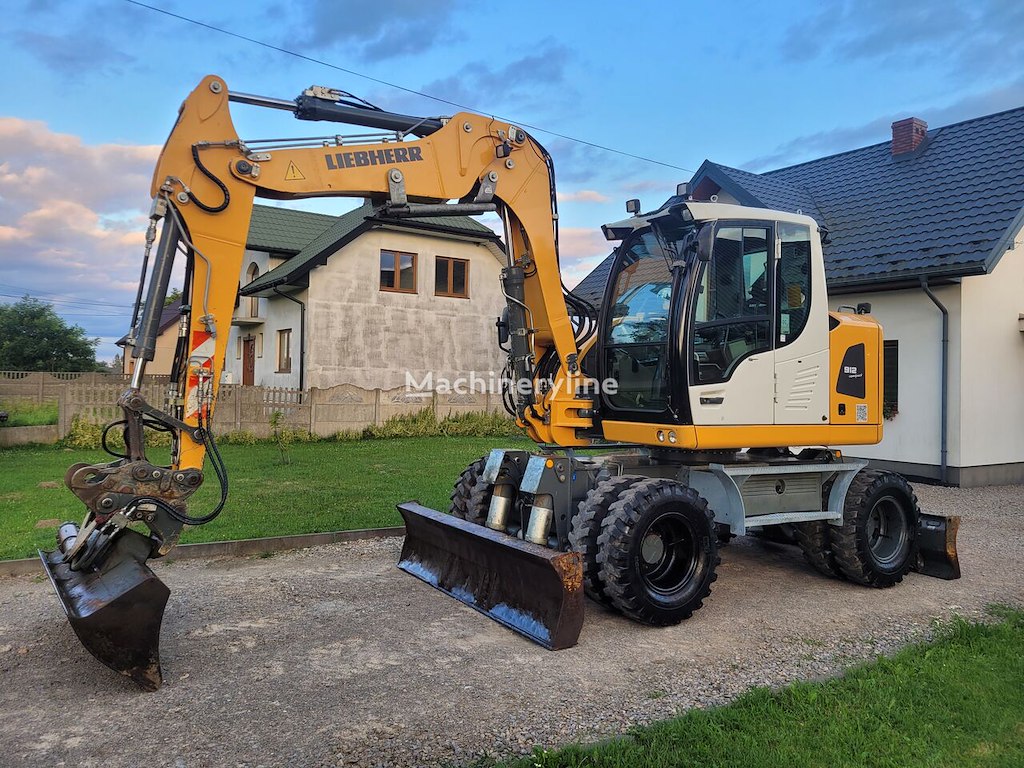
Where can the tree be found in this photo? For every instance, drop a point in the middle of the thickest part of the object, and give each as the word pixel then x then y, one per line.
pixel 172 296
pixel 35 338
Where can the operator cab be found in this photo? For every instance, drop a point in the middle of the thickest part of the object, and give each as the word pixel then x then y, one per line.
pixel 704 303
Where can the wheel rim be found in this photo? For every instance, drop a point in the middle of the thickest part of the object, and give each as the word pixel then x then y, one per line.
pixel 888 537
pixel 669 555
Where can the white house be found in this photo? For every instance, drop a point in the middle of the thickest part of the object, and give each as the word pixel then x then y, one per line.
pixel 927 229
pixel 364 300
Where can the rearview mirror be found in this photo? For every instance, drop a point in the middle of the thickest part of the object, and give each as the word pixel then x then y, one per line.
pixel 705 242
pixel 502 326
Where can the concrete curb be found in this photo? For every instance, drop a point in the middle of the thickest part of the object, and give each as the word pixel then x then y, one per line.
pixel 238 548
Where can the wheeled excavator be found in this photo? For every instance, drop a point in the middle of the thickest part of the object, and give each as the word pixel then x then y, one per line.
pixel 695 403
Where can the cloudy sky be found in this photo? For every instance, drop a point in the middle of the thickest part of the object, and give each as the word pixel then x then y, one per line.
pixel 89 91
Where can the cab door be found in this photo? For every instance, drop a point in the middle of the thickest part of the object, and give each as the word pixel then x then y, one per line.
pixel 732 375
pixel 801 328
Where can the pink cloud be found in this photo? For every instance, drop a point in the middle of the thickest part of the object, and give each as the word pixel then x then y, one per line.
pixel 72 223
pixel 10 234
pixel 582 196
pixel 580 249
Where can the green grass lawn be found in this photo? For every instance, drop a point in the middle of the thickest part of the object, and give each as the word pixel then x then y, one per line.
pixel 958 701
pixel 22 413
pixel 326 487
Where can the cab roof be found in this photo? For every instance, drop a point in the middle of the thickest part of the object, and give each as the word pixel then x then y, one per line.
pixel 701 211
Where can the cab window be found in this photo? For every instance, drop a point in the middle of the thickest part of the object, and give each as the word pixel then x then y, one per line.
pixel 636 346
pixel 794 281
pixel 731 315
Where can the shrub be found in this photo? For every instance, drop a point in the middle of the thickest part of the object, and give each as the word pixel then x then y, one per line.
pixel 85 434
pixel 420 423
pixel 480 424
pixel 424 423
pixel 238 437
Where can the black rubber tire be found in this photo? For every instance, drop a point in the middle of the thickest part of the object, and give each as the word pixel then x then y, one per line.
pixel 586 527
pixel 471 497
pixel 671 582
pixel 815 541
pixel 875 545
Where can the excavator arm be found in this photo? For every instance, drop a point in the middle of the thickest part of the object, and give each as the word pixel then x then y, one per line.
pixel 203 190
pixel 208 179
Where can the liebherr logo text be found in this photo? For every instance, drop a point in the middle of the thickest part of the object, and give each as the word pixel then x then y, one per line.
pixel 389 156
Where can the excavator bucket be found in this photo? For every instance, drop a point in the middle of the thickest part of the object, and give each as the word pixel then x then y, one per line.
pixel 115 609
pixel 532 590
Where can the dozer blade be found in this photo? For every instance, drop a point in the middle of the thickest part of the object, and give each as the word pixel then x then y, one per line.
pixel 532 590
pixel 936 546
pixel 116 609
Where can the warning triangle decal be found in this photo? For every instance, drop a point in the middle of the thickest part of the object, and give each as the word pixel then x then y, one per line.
pixel 293 173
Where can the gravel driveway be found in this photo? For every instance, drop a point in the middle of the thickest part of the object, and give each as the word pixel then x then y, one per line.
pixel 331 656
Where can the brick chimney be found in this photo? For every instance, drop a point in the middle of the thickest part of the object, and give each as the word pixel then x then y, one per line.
pixel 907 135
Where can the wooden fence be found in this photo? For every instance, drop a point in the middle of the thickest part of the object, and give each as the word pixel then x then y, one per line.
pixel 93 397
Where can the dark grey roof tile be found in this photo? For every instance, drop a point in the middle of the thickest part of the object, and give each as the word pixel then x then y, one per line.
pixel 592 286
pixel 946 206
pixel 284 230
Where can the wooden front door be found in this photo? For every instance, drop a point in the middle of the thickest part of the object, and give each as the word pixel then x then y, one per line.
pixel 249 361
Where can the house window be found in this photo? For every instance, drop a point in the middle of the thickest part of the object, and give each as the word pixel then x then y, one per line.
pixel 238 349
pixel 398 271
pixel 254 303
pixel 259 345
pixel 451 277
pixel 284 351
pixel 891 378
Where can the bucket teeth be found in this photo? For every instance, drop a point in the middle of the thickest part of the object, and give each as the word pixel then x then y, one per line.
pixel 533 590
pixel 117 609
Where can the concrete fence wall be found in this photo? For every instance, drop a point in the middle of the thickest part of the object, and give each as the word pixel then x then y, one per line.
pixel 324 412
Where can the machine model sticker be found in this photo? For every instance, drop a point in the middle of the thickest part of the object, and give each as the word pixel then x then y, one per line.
pixel 851 374
pixel 389 156
pixel 862 412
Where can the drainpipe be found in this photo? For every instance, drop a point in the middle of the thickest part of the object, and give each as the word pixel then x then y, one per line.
pixel 944 469
pixel 302 336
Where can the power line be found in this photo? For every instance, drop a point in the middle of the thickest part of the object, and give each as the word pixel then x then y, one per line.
pixel 70 303
pixel 389 84
pixel 30 291
pixel 89 314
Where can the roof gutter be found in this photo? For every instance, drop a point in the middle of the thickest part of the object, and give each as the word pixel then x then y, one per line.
pixel 302 336
pixel 944 407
